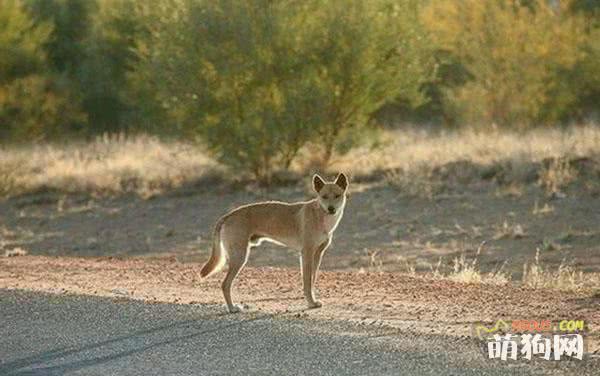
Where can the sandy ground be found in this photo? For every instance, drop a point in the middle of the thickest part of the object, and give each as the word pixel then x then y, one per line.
pixel 382 228
pixel 412 304
pixel 126 247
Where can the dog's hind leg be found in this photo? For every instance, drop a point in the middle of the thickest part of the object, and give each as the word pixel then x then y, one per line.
pixel 238 255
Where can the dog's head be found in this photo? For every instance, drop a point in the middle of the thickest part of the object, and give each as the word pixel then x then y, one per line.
pixel 332 195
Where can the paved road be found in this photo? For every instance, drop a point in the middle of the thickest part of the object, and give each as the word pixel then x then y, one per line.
pixel 55 335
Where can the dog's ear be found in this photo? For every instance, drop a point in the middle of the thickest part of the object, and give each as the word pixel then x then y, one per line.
pixel 341 181
pixel 318 183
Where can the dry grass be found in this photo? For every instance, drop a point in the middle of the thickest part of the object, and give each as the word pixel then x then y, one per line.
pixel 557 175
pixel 410 150
pixel 513 190
pixel 565 277
pixel 544 210
pixel 467 271
pixel 535 274
pixel 464 269
pixel 420 181
pixel 509 230
pixel 415 161
pixel 15 252
pixel 114 164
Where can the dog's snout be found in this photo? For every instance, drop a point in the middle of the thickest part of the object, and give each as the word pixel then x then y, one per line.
pixel 331 209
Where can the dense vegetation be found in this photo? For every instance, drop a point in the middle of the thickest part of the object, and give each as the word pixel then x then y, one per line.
pixel 256 80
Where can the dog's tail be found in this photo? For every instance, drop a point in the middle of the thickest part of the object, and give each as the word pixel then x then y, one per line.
pixel 217 257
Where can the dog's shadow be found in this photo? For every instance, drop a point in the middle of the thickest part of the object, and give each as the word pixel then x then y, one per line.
pixel 36 364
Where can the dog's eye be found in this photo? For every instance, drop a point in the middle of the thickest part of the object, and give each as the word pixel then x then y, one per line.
pixel 337 196
pixel 326 197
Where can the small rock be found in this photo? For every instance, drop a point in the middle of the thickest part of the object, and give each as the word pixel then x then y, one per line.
pixel 120 291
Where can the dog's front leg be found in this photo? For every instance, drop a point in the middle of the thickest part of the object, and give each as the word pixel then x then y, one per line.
pixel 307 276
pixel 317 257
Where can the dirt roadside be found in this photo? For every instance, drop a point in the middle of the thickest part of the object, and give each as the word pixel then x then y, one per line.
pixel 381 229
pixel 415 304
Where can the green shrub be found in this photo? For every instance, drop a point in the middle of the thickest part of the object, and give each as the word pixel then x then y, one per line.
pixel 257 80
pixel 33 104
pixel 35 108
pixel 515 53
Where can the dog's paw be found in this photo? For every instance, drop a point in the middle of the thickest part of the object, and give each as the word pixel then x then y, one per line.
pixel 315 304
pixel 236 308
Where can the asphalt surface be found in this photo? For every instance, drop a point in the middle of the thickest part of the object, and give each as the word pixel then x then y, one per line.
pixel 65 334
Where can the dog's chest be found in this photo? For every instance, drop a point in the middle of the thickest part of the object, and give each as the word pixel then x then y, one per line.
pixel 330 222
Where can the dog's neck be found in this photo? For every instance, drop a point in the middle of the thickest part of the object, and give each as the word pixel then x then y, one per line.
pixel 328 221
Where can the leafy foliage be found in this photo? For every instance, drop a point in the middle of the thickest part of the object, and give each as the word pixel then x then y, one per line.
pixel 259 79
pixel 514 52
pixel 37 107
pixel 21 42
pixel 32 104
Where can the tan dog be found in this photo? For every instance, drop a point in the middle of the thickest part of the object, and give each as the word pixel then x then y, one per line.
pixel 305 226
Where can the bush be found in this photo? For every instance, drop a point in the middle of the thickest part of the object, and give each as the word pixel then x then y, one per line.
pixel 514 52
pixel 257 80
pixel 36 108
pixel 21 42
pixel 582 81
pixel 367 54
pixel 33 105
pixel 91 48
